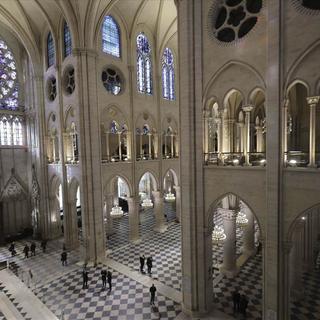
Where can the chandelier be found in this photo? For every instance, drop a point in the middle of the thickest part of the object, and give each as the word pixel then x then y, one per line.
pixel 116 212
pixel 147 203
pixel 218 235
pixel 241 219
pixel 170 197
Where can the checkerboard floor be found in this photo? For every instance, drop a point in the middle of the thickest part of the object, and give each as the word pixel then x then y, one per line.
pixel 249 283
pixel 308 307
pixel 44 266
pixel 164 248
pixel 127 299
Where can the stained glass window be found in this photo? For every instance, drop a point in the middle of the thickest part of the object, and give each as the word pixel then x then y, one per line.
pixel 114 127
pixel 168 91
pixel 8 79
pixel 110 37
pixel 50 50
pixel 67 42
pixel 11 131
pixel 144 65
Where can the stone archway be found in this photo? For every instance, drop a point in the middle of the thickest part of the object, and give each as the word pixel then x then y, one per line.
pixel 172 195
pixel 236 262
pixel 302 265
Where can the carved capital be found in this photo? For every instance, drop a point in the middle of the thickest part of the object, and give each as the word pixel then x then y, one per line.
pixel 248 108
pixel 313 101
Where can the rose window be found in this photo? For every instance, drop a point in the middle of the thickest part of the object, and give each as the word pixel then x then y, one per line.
pixel 111 81
pixel 233 19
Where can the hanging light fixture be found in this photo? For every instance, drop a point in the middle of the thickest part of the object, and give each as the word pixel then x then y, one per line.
pixel 116 212
pixel 218 235
pixel 241 219
pixel 147 203
pixel 170 197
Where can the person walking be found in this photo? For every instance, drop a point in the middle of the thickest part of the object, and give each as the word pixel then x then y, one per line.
pixel 109 276
pixel 29 278
pixel 64 257
pixel 104 278
pixel 44 245
pixel 236 300
pixel 85 278
pixel 33 249
pixel 153 290
pixel 142 260
pixel 149 265
pixel 26 251
pixel 12 249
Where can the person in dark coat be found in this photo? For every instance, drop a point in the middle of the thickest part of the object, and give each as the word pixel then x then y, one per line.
pixel 109 276
pixel 64 257
pixel 44 245
pixel 152 290
pixel 149 264
pixel 236 300
pixel 243 305
pixel 104 278
pixel 142 260
pixel 26 251
pixel 85 278
pixel 33 249
pixel 12 249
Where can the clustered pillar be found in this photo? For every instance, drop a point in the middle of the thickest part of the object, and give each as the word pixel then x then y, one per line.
pixel 312 102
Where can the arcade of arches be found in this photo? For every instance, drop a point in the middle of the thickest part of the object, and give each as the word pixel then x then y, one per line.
pixel 183 130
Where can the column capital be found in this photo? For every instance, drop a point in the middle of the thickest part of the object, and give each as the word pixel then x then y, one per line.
pixel 313 101
pixel 177 188
pixel 247 108
pixel 228 214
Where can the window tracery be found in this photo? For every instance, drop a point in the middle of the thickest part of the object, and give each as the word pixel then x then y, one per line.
pixel 67 41
pixel 111 37
pixel 168 90
pixel 50 50
pixel 144 65
pixel 11 130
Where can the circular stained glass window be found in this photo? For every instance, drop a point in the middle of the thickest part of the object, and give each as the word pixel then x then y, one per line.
pixel 69 81
pixel 233 19
pixel 112 81
pixel 52 88
pixel 8 79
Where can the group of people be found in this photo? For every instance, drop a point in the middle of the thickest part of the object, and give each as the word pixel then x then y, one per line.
pixel 106 276
pixel 27 249
pixel 142 263
pixel 240 302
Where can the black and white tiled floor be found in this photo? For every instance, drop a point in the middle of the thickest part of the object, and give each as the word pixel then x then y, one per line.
pixel 127 299
pixel 308 307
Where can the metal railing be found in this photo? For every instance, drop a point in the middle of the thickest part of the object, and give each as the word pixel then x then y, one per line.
pixel 115 158
pixel 296 159
pixel 170 156
pixel 143 157
pixel 234 158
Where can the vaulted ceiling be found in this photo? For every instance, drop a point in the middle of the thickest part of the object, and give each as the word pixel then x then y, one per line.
pixel 30 20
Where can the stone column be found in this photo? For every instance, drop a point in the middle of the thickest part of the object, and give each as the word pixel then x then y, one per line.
pixel 140 148
pixel 206 135
pixel 220 140
pixel 129 142
pixel 108 199
pixel 165 145
pixel 71 225
pixel 229 265
pixel 248 233
pixel 312 102
pixel 178 203
pixel 286 248
pixel 285 130
pixel 158 212
pixel 259 132
pixel 247 110
pixel 108 145
pixel 1 224
pixel 119 145
pixel 172 149
pixel 155 145
pixel 133 204
pixel 176 145
pixel 149 146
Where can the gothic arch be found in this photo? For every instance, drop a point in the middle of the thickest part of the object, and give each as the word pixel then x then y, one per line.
pixel 228 65
pixel 153 176
pixel 108 186
pixel 175 176
pixel 214 204
pixel 73 186
pixel 295 82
